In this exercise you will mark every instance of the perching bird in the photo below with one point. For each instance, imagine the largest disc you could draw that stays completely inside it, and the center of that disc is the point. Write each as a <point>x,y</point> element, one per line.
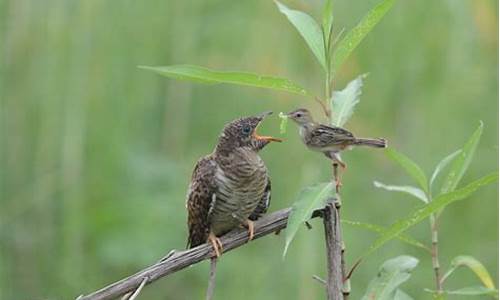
<point>328,139</point>
<point>229,187</point>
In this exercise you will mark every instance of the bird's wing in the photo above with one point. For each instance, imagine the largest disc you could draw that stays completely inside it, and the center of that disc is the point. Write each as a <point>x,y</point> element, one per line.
<point>323,135</point>
<point>200,195</point>
<point>264,203</point>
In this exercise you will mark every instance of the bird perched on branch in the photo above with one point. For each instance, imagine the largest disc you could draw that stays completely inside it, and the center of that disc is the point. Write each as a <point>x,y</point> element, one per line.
<point>229,187</point>
<point>329,140</point>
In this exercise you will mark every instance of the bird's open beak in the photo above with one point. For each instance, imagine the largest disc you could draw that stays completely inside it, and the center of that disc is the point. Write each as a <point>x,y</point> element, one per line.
<point>263,137</point>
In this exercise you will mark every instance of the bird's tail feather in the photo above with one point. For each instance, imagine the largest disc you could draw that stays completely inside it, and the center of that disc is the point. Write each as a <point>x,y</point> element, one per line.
<point>377,143</point>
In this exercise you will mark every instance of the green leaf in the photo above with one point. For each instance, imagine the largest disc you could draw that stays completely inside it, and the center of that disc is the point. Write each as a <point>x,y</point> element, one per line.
<point>442,164</point>
<point>426,210</point>
<point>381,230</point>
<point>308,29</point>
<point>410,167</point>
<point>400,295</point>
<point>309,199</point>
<point>358,33</point>
<point>416,192</point>
<point>470,291</point>
<point>344,101</point>
<point>462,162</point>
<point>284,120</point>
<point>475,266</point>
<point>327,23</point>
<point>391,275</point>
<point>208,76</point>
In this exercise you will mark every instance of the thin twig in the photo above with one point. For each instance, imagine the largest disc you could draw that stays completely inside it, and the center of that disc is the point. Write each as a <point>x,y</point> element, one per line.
<point>136,293</point>
<point>319,279</point>
<point>211,279</point>
<point>179,260</point>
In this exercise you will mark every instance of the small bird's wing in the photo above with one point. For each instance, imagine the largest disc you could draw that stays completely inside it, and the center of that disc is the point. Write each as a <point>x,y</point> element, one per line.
<point>199,200</point>
<point>323,136</point>
<point>264,202</point>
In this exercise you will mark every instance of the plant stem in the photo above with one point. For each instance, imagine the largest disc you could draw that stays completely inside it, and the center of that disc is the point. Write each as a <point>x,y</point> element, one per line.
<point>435,254</point>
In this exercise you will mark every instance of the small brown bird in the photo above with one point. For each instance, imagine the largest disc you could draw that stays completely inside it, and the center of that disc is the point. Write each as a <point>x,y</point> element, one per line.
<point>229,187</point>
<point>328,139</point>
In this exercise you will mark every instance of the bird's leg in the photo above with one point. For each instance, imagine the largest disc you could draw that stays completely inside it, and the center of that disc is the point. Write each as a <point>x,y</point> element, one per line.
<point>337,162</point>
<point>216,243</point>
<point>249,225</point>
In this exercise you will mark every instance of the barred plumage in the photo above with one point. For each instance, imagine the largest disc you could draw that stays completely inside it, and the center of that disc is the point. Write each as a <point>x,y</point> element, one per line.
<point>230,186</point>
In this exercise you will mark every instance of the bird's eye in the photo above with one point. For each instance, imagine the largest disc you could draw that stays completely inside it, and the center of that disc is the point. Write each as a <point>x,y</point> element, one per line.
<point>299,115</point>
<point>246,130</point>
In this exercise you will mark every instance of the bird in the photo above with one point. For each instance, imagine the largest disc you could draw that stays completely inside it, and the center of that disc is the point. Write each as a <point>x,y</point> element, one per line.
<point>230,187</point>
<point>329,140</point>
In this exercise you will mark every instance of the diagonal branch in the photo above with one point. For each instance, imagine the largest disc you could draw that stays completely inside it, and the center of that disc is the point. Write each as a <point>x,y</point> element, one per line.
<point>182,259</point>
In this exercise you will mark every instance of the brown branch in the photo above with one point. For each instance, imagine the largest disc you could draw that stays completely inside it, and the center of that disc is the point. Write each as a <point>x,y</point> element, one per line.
<point>334,281</point>
<point>177,261</point>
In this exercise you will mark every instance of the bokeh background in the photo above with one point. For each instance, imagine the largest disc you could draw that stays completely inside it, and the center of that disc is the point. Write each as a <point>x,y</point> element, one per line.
<point>96,154</point>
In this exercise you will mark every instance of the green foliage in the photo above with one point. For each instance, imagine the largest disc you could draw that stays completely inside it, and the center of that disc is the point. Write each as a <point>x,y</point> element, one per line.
<point>426,210</point>
<point>344,101</point>
<point>462,162</point>
<point>442,165</point>
<point>358,33</point>
<point>327,24</point>
<point>309,199</point>
<point>400,295</point>
<point>475,266</point>
<point>410,167</point>
<point>470,291</point>
<point>414,191</point>
<point>308,29</point>
<point>381,230</point>
<point>391,275</point>
<point>207,76</point>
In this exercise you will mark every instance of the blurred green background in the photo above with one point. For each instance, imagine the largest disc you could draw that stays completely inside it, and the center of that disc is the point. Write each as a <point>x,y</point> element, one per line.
<point>96,155</point>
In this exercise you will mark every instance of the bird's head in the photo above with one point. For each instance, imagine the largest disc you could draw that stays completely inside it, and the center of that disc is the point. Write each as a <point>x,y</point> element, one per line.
<point>301,116</point>
<point>243,133</point>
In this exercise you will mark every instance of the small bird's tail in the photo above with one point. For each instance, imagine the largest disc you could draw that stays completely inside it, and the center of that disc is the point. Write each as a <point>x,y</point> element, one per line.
<point>377,143</point>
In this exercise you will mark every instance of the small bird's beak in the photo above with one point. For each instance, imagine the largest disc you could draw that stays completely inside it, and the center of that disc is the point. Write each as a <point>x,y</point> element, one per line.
<point>263,137</point>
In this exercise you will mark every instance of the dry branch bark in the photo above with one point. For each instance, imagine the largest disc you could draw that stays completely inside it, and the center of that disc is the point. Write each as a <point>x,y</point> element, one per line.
<point>179,260</point>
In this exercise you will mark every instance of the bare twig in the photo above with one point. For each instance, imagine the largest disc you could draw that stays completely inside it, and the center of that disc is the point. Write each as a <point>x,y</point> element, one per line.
<point>334,282</point>
<point>211,278</point>
<point>182,259</point>
<point>137,291</point>
<point>319,279</point>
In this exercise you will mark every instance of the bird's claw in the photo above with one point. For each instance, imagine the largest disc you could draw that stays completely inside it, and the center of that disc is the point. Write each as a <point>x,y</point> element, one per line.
<point>216,244</point>
<point>250,226</point>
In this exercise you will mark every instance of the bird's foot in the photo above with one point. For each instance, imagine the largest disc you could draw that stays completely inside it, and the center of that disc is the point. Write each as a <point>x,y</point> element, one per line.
<point>338,184</point>
<point>249,225</point>
<point>216,244</point>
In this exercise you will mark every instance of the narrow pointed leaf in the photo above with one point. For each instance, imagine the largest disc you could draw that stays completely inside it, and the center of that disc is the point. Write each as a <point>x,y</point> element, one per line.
<point>391,275</point>
<point>381,230</point>
<point>416,192</point>
<point>410,167</point>
<point>462,162</point>
<point>344,101</point>
<point>308,29</point>
<point>358,33</point>
<point>470,291</point>
<point>475,266</point>
<point>327,22</point>
<point>426,210</point>
<point>208,76</point>
<point>309,199</point>
<point>442,164</point>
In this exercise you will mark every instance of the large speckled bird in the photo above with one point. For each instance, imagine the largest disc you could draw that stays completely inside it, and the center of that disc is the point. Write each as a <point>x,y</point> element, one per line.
<point>329,140</point>
<point>229,187</point>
